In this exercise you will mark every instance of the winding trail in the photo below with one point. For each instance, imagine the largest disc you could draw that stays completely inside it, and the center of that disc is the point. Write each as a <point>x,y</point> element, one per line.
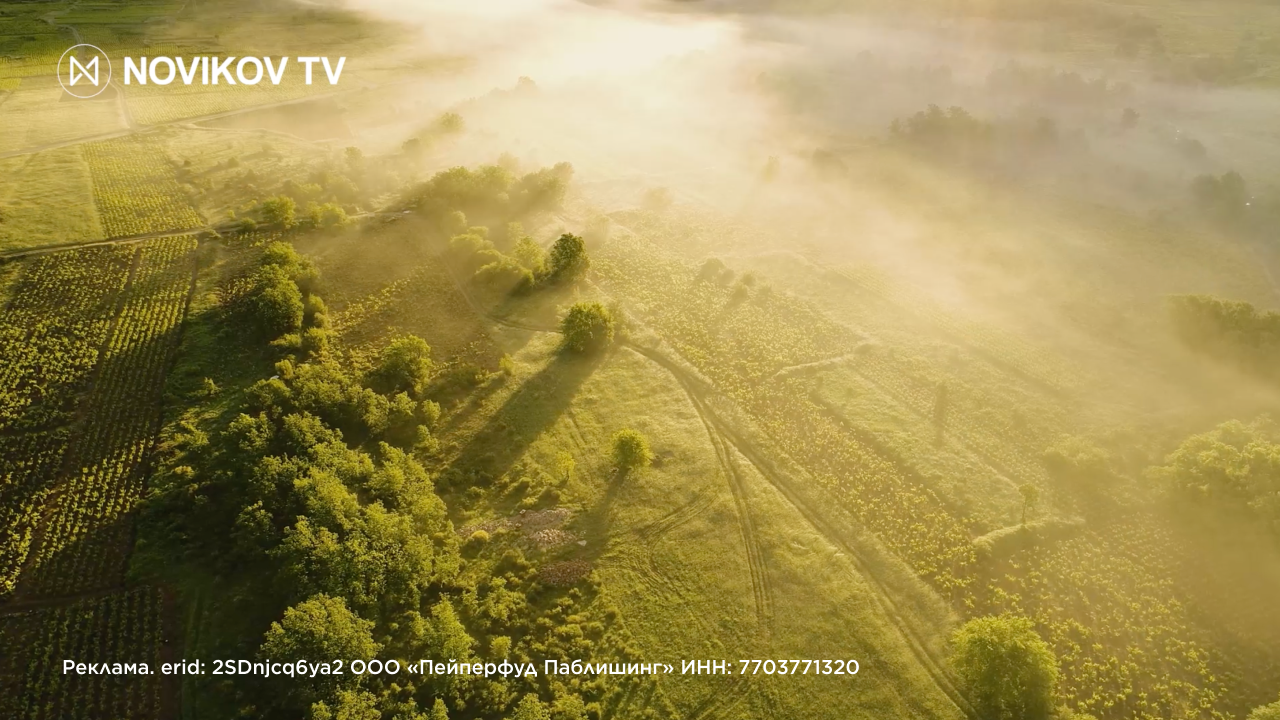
<point>725,438</point>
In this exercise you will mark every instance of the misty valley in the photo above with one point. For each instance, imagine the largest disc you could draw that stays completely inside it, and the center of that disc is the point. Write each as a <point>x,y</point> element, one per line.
<point>700,359</point>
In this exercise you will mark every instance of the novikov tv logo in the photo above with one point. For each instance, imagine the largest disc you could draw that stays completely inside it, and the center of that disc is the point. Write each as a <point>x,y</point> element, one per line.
<point>84,71</point>
<point>82,74</point>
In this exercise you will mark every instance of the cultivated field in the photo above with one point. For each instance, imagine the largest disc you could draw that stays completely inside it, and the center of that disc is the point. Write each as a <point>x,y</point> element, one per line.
<point>638,342</point>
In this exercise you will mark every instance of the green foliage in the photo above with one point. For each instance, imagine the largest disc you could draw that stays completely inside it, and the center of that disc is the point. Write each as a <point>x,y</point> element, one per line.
<point>326,215</point>
<point>1006,669</point>
<point>280,210</point>
<point>320,627</point>
<point>631,451</point>
<point>952,131</point>
<point>1227,195</point>
<point>450,123</point>
<point>405,365</point>
<point>1266,712</point>
<point>1235,332</point>
<point>278,286</point>
<point>530,708</point>
<point>325,390</point>
<point>1234,466</point>
<point>348,705</point>
<point>564,466</point>
<point>491,194</point>
<point>439,711</point>
<point>276,303</point>
<point>568,707</point>
<point>471,251</point>
<point>1078,460</point>
<point>504,275</point>
<point>568,259</point>
<point>587,327</point>
<point>530,255</point>
<point>1030,498</point>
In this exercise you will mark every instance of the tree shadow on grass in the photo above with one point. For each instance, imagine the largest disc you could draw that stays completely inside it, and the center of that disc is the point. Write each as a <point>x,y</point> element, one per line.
<point>532,409</point>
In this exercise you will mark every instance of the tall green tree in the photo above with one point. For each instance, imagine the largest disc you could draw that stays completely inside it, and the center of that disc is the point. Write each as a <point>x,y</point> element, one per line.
<point>281,210</point>
<point>319,629</point>
<point>1030,497</point>
<point>404,366</point>
<point>587,327</point>
<point>568,259</point>
<point>1007,670</point>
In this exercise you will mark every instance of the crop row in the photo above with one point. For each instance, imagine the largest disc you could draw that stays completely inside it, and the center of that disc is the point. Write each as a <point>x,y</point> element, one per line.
<point>51,333</point>
<point>121,627</point>
<point>1113,590</point>
<point>741,344</point>
<point>136,189</point>
<point>84,544</point>
<point>246,249</point>
<point>169,106</point>
<point>1128,647</point>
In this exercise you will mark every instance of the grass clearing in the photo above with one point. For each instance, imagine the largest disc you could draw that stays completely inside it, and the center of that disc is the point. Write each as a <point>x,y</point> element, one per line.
<point>699,569</point>
<point>47,199</point>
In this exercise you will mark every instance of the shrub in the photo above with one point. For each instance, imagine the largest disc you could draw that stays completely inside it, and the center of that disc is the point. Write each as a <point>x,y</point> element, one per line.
<point>1266,712</point>
<point>280,210</point>
<point>631,451</point>
<point>404,366</point>
<point>504,275</point>
<point>1007,670</point>
<point>1235,466</point>
<point>531,255</point>
<point>587,327</point>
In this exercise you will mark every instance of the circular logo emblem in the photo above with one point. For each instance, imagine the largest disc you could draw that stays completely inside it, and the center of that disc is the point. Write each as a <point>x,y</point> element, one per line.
<point>84,70</point>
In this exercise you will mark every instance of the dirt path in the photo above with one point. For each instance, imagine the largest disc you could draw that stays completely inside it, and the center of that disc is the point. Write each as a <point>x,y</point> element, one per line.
<point>127,240</point>
<point>724,438</point>
<point>935,666</point>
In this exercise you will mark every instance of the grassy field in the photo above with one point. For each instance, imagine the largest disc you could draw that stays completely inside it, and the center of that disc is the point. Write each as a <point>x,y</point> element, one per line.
<point>704,557</point>
<point>47,199</point>
<point>887,388</point>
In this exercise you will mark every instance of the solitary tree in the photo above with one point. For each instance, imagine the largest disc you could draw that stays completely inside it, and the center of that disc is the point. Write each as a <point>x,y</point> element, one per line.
<point>568,258</point>
<point>587,327</point>
<point>1030,496</point>
<point>564,465</point>
<point>1008,671</point>
<point>631,450</point>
